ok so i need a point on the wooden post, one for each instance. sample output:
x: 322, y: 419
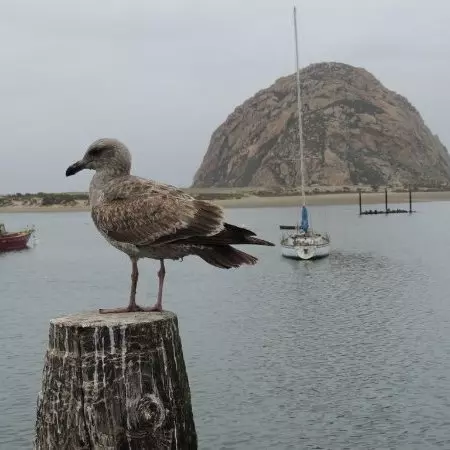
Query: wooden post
x: 385, y: 200
x: 410, y: 201
x: 115, y: 381
x: 360, y: 202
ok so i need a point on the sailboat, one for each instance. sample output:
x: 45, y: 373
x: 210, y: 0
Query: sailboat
x: 301, y: 241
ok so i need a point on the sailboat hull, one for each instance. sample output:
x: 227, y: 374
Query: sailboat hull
x: 305, y: 252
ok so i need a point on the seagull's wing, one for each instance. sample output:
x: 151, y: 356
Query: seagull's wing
x: 143, y: 212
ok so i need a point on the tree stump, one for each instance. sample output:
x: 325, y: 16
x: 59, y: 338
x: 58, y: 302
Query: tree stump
x: 115, y: 381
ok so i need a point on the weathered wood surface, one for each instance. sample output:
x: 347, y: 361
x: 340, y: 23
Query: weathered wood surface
x: 115, y: 381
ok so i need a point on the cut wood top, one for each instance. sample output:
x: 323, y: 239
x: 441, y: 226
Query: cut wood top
x: 95, y: 319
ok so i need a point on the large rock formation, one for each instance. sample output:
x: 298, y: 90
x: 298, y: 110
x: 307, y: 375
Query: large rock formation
x: 355, y: 132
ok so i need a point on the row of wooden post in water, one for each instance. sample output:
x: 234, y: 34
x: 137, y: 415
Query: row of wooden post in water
x: 386, y: 210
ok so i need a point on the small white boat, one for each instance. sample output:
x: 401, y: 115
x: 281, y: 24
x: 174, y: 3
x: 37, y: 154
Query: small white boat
x: 300, y: 241
x: 304, y: 245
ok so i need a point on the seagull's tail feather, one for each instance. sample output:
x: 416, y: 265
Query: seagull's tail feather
x: 225, y: 256
x: 257, y: 241
x: 239, y: 235
x: 230, y: 235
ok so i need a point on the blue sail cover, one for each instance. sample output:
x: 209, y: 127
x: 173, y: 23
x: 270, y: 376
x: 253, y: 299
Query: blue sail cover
x: 304, y: 225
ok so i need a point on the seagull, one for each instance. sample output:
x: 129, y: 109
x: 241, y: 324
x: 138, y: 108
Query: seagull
x: 147, y: 219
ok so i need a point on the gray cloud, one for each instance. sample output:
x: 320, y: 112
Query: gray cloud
x: 161, y: 76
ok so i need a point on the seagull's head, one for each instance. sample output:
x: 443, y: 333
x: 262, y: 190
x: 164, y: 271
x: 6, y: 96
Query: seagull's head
x: 104, y: 155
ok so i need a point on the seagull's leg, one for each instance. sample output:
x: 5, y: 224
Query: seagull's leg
x: 134, y: 280
x: 161, y: 275
x: 132, y: 303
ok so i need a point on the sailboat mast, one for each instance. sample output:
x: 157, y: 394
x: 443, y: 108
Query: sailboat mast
x: 299, y: 107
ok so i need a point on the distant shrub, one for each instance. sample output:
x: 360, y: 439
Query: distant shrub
x: 218, y: 196
x: 5, y: 201
x: 45, y: 199
x: 58, y: 199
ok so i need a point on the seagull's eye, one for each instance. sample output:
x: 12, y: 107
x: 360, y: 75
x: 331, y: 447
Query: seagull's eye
x: 96, y: 151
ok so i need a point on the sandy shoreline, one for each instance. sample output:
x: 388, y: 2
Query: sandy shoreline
x: 264, y: 202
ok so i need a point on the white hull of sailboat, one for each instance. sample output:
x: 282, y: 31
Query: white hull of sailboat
x: 301, y: 245
x: 305, y: 252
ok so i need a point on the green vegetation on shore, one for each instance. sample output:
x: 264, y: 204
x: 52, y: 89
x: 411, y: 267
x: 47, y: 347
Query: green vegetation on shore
x: 71, y: 199
x: 45, y: 199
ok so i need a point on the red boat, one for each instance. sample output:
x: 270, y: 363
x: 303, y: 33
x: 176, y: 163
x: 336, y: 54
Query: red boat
x: 14, y: 240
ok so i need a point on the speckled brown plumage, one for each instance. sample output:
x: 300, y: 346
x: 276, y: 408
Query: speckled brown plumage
x: 142, y: 212
x: 147, y: 219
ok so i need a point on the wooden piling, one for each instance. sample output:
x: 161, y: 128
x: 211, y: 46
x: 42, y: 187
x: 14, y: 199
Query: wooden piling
x: 410, y: 201
x: 360, y: 202
x: 115, y: 381
x: 385, y: 200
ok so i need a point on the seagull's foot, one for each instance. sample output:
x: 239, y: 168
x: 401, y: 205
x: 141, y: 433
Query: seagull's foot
x: 154, y: 308
x: 118, y: 310
x: 131, y: 308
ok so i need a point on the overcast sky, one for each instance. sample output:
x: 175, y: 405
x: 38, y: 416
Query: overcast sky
x: 162, y: 75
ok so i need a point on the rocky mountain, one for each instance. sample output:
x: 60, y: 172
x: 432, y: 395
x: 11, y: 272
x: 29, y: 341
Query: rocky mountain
x: 356, y: 131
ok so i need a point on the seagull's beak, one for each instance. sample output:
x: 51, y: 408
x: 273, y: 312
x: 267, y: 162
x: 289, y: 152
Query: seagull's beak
x: 75, y: 168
